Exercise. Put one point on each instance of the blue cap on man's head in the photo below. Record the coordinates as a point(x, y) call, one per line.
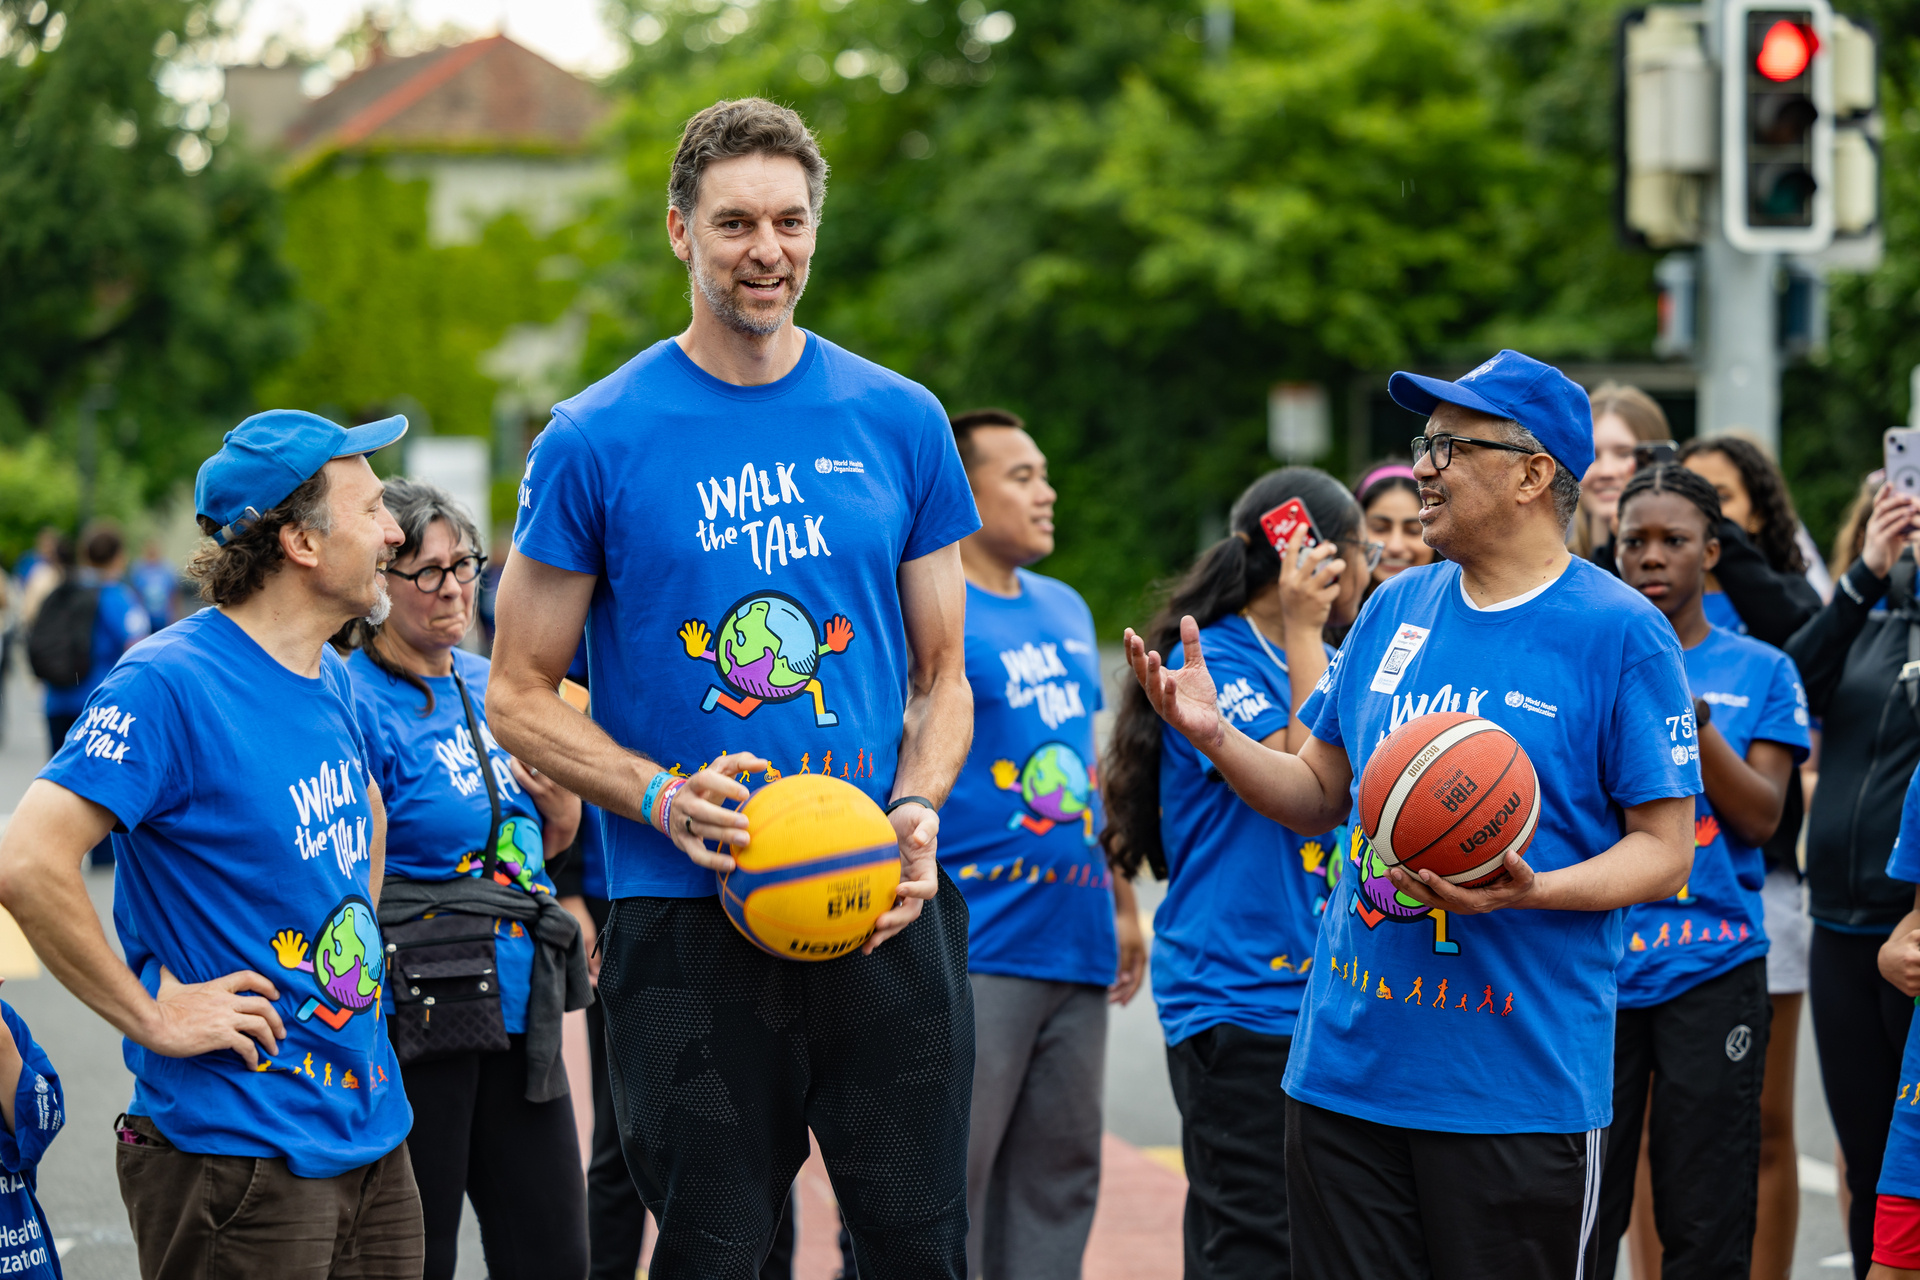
point(1537, 396)
point(264, 459)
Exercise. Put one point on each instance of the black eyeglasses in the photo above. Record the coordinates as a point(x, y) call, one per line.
point(1440, 444)
point(429, 579)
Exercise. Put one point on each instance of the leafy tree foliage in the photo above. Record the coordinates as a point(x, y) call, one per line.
point(137, 253)
point(1835, 410)
point(394, 322)
point(1101, 224)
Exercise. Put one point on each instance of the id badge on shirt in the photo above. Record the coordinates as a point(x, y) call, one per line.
point(1406, 642)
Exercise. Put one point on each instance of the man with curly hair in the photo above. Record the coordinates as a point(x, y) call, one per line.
point(267, 1130)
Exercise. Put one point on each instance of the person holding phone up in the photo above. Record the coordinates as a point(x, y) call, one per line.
point(1234, 937)
point(1859, 661)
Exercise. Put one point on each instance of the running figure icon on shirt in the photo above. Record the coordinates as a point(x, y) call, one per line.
point(766, 649)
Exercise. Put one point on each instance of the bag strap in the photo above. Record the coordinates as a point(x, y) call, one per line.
point(486, 773)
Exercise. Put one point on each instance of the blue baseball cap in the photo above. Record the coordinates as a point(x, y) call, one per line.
point(1537, 396)
point(267, 457)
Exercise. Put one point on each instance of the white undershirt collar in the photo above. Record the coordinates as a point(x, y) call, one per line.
point(1500, 606)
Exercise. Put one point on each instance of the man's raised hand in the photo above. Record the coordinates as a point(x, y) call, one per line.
point(1185, 699)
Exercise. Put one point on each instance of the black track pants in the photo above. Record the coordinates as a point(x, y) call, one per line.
point(1860, 1028)
point(475, 1134)
point(1372, 1200)
point(723, 1057)
point(1704, 1053)
point(1233, 1137)
point(616, 1220)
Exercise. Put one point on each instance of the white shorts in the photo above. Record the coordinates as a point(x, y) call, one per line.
point(1783, 899)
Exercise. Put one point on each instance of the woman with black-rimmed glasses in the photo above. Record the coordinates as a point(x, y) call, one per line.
point(481, 955)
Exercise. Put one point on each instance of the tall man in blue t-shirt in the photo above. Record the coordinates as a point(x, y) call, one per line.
point(1044, 913)
point(758, 530)
point(267, 1127)
point(1451, 1078)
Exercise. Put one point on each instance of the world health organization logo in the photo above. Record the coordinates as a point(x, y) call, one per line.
point(823, 465)
point(1515, 697)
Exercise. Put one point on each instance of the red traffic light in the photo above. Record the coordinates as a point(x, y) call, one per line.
point(1786, 51)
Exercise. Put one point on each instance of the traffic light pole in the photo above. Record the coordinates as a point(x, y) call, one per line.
point(1793, 171)
point(1740, 356)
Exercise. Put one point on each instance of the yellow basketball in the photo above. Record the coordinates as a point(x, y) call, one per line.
point(823, 864)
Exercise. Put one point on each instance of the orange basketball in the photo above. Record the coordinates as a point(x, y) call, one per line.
point(1450, 793)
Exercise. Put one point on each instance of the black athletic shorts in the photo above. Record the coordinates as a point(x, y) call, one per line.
point(1371, 1200)
point(1703, 1056)
point(722, 1057)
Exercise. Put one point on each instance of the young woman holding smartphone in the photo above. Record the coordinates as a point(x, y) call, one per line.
point(1234, 937)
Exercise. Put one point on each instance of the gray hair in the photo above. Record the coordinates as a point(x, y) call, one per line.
point(744, 127)
point(415, 504)
point(1566, 485)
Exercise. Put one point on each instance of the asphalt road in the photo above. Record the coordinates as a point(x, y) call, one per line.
point(80, 1193)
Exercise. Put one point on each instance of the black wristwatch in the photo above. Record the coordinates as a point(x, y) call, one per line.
point(895, 804)
point(1702, 713)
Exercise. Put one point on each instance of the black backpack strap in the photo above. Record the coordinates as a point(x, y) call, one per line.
point(492, 852)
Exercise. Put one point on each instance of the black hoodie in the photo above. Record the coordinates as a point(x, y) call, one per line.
point(1850, 657)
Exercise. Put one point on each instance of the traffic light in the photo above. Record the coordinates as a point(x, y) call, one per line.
point(1777, 160)
point(1856, 129)
point(1667, 146)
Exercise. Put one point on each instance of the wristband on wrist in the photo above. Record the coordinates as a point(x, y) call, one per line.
point(922, 800)
point(666, 805)
point(654, 788)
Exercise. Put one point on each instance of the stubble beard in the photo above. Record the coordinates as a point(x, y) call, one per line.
point(720, 300)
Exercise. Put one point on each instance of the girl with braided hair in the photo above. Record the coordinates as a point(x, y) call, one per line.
point(1690, 1036)
point(1753, 495)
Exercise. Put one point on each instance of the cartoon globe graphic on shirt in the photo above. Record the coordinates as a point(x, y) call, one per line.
point(767, 647)
point(1055, 784)
point(1380, 893)
point(348, 959)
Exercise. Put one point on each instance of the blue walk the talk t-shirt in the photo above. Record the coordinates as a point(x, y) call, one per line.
point(1233, 938)
point(1018, 833)
point(437, 807)
point(1503, 1022)
point(1900, 1166)
point(748, 542)
point(39, 1110)
point(1715, 922)
point(243, 842)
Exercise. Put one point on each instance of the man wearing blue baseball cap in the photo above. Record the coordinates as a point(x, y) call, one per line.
point(1451, 1078)
point(266, 1135)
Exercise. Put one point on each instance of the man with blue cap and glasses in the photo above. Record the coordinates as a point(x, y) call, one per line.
point(266, 1135)
point(1451, 1078)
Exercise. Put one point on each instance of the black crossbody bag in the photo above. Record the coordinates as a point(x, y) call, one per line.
point(444, 970)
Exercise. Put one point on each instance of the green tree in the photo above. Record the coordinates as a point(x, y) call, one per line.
point(1101, 225)
point(394, 320)
point(137, 252)
point(1834, 410)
